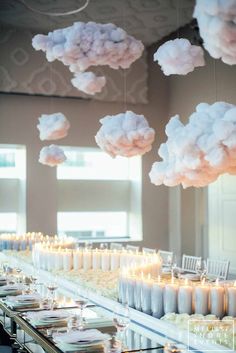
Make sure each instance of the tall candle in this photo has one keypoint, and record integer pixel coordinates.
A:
(170, 297)
(202, 298)
(77, 259)
(157, 298)
(123, 288)
(105, 260)
(96, 259)
(146, 291)
(185, 298)
(217, 295)
(231, 300)
(87, 260)
(130, 290)
(115, 260)
(67, 260)
(59, 260)
(137, 292)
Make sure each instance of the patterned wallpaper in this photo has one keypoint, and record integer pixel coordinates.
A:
(24, 70)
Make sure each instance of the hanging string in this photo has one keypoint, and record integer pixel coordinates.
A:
(124, 70)
(215, 80)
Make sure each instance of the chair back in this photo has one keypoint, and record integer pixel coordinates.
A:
(116, 246)
(148, 251)
(167, 257)
(132, 248)
(217, 268)
(190, 263)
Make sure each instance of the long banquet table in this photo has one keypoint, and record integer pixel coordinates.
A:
(154, 333)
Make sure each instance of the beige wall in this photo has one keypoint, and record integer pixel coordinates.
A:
(18, 119)
(213, 82)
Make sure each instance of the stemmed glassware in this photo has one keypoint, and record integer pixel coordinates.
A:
(121, 320)
(201, 269)
(52, 287)
(81, 302)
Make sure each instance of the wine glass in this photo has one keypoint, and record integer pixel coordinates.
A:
(52, 287)
(81, 302)
(121, 320)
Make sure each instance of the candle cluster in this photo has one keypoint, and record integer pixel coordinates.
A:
(49, 257)
(12, 241)
(158, 297)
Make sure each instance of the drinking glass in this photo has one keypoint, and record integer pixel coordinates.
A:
(81, 301)
(121, 320)
(52, 287)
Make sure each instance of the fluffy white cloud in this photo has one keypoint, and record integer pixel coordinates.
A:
(125, 134)
(90, 44)
(179, 57)
(217, 25)
(195, 154)
(88, 82)
(51, 155)
(53, 126)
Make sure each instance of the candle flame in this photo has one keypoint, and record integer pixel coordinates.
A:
(142, 274)
(149, 276)
(159, 278)
(172, 279)
(203, 281)
(217, 281)
(235, 284)
(186, 282)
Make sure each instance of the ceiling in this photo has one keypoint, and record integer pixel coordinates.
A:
(147, 20)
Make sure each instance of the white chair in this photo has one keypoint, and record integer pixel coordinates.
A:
(167, 257)
(148, 251)
(132, 248)
(217, 268)
(190, 263)
(116, 246)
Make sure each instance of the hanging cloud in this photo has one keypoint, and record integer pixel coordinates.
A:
(53, 126)
(125, 134)
(195, 154)
(88, 82)
(90, 44)
(179, 57)
(217, 25)
(52, 155)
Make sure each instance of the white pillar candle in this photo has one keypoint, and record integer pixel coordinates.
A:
(170, 298)
(77, 259)
(67, 260)
(157, 299)
(115, 260)
(146, 291)
(123, 259)
(59, 260)
(96, 259)
(202, 299)
(185, 294)
(122, 288)
(137, 292)
(87, 259)
(217, 295)
(130, 290)
(105, 260)
(231, 300)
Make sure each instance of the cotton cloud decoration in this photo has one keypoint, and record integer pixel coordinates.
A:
(89, 44)
(195, 154)
(125, 134)
(217, 26)
(88, 82)
(179, 57)
(53, 126)
(51, 155)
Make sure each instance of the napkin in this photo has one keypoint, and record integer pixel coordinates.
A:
(23, 301)
(10, 290)
(191, 276)
(47, 318)
(81, 337)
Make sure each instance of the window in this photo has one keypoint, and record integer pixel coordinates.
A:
(12, 188)
(98, 196)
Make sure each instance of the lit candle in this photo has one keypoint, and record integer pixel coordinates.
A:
(122, 287)
(67, 260)
(77, 259)
(115, 260)
(137, 292)
(87, 260)
(185, 298)
(105, 260)
(130, 290)
(170, 297)
(96, 259)
(59, 259)
(217, 300)
(202, 298)
(157, 298)
(231, 300)
(146, 291)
